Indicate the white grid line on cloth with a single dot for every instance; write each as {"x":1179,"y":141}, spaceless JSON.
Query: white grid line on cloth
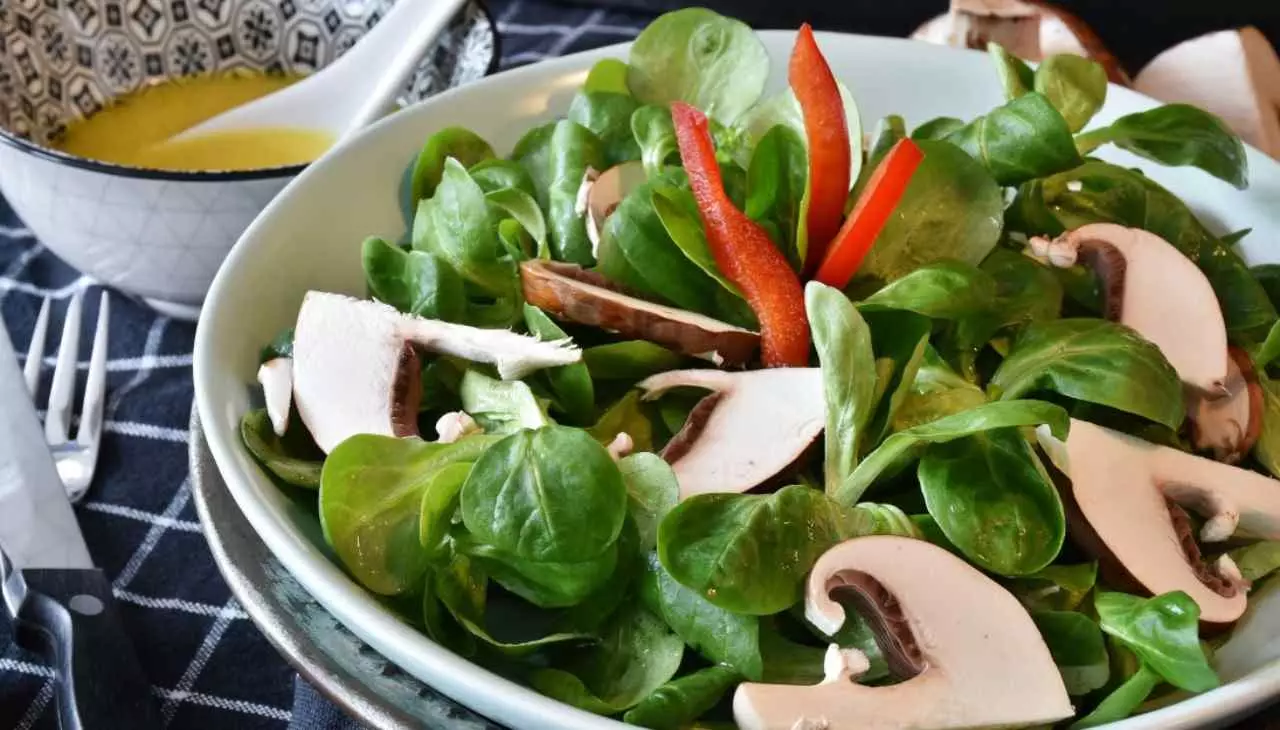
{"x":174,"y":508}
{"x":37,"y":707}
{"x":18,"y":266}
{"x":132,"y":513}
{"x":588,"y":26}
{"x":175,"y":604}
{"x":63,"y":292}
{"x":510,"y":12}
{"x":149,"y":351}
{"x":124,"y":364}
{"x":136,"y":429}
{"x":16,"y":232}
{"x":602,"y":29}
{"x":198,"y":662}
{"x":222,"y":703}
{"x":35,"y":670}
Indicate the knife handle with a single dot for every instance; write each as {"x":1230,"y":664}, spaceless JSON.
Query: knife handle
{"x":71,"y":617}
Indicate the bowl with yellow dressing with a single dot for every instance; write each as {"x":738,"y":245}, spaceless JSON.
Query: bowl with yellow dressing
{"x":90,"y":92}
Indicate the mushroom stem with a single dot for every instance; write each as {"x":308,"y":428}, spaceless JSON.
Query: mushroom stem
{"x":276,"y":377}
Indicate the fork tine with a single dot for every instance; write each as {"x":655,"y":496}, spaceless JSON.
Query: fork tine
{"x":96,"y":386}
{"x":35,"y":353}
{"x":57,"y":420}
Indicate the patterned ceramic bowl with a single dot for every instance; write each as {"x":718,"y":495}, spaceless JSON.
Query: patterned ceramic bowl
{"x":157,"y":234}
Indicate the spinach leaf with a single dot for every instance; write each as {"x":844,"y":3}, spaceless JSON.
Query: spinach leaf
{"x":550,"y":495}
{"x":461,"y":587}
{"x":897,"y":450}
{"x":1163,"y":632}
{"x":590,"y":613}
{"x":1056,"y":587}
{"x":496,"y":174}
{"x":1077,"y":647}
{"x":652,"y":492}
{"x":631,"y":360}
{"x":1100,"y":192}
{"x":280,"y":346}
{"x":937,"y":128}
{"x":701,"y":57}
{"x":784,"y":109}
{"x":1177,"y":134}
{"x":1267,"y":450}
{"x":683,"y":700}
{"x":533,"y":153}
{"x":1123,"y":701}
{"x":412,"y":281}
{"x":523,"y":209}
{"x":457,"y":226}
{"x":1257,"y":561}
{"x":940,"y":290}
{"x":370,"y":504}
{"x":572,"y":149}
{"x":951,"y":209}
{"x":777,"y":176}
{"x":548,"y":584}
{"x":749,"y":553}
{"x":271,"y":452}
{"x":500,"y":406}
{"x":843,"y":342}
{"x":636,"y":655}
{"x":625,"y":416}
{"x":1096,"y":361}
{"x":994,"y":501}
{"x":1026,"y":290}
{"x":1016,"y":77}
{"x":899,"y":340}
{"x":888,"y":132}
{"x":936,"y":391}
{"x":459,"y":143}
{"x":571,"y":384}
{"x":869,"y":518}
{"x":608,"y":115}
{"x":719,"y":635}
{"x":439,"y":505}
{"x":608,"y":75}
{"x":1268,"y":277}
{"x":655,"y":133}
{"x":678,"y":212}
{"x":1024,"y":139}
{"x":1075,"y":85}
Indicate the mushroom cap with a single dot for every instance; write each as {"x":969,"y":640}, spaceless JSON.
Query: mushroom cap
{"x":753,"y":426}
{"x":983,"y":666}
{"x":607,"y":191}
{"x":1229,"y":425}
{"x":1153,"y":288}
{"x":1233,"y":73}
{"x":573,"y":293}
{"x":1122,"y":487}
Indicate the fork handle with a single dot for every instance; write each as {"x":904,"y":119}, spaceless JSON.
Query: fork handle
{"x":71,"y":618}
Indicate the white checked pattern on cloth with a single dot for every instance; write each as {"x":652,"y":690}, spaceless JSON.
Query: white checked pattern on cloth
{"x":208,"y":665}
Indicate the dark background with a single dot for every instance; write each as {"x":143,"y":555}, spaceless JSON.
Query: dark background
{"x":1134,"y":30}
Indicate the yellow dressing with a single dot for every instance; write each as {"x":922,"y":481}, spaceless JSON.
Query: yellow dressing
{"x":132,"y":130}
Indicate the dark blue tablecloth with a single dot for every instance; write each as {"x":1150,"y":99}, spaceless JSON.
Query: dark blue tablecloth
{"x":209,"y":667}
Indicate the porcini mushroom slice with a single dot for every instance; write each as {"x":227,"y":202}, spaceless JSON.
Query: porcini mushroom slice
{"x":606,"y":192}
{"x":753,"y":425}
{"x":355,"y":369}
{"x":1120,"y":490}
{"x":573,"y":293}
{"x":985,"y":666}
{"x":1152,"y":287}
{"x":1229,"y":425}
{"x":1233,"y":73}
{"x":276,"y":378}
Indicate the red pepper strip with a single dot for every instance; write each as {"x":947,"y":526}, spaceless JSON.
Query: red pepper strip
{"x":743,"y":250}
{"x":878,"y":200}
{"x":827,"y":130}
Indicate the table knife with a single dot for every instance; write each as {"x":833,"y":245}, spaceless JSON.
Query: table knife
{"x":60,"y":606}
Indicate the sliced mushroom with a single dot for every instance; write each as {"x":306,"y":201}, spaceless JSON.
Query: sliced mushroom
{"x":752,"y":427}
{"x":986,"y":666}
{"x":276,"y":378}
{"x":355,"y":369}
{"x":605,"y":192}
{"x":1028,"y":29}
{"x":573,"y":293}
{"x":1232,"y":73}
{"x":1118,"y":504}
{"x":1230,"y":425}
{"x":454,"y":426}
{"x":1152,"y":287}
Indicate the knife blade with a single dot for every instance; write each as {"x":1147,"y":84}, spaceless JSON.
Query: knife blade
{"x":61,"y":607}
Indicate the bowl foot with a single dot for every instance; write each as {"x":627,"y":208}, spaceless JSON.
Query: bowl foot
{"x":177,"y":310}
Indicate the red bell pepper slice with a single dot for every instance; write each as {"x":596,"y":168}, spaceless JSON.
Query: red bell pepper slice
{"x":827,"y":131}
{"x":742,"y":249}
{"x":878,"y":200}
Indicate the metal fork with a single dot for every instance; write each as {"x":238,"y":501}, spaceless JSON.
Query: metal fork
{"x":75,"y":459}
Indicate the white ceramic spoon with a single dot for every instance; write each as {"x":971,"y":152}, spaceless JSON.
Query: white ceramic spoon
{"x":354,"y":90}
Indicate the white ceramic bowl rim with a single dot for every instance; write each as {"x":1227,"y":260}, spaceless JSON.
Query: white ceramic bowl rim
{"x":454,"y":675}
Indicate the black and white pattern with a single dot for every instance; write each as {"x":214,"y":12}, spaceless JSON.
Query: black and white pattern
{"x":208,"y":665}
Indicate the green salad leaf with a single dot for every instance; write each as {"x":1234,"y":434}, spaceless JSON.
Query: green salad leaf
{"x":1016,"y":77}
{"x":571,"y":384}
{"x":652,"y":492}
{"x":500,"y":406}
{"x":440,"y":504}
{"x":655,"y":133}
{"x":843,"y":342}
{"x":631,"y":360}
{"x":457,"y":226}
{"x":608,"y":75}
{"x":273,"y":453}
{"x":415,"y":282}
{"x":497,"y":174}
{"x":1023,"y":139}
{"x":777,"y":176}
{"x":625,"y":416}
{"x":459,"y":143}
{"x":548,"y":584}
{"x":1123,"y":701}
{"x":1177,"y":134}
{"x":682,"y":700}
{"x":1076,"y":86}
{"x":520,"y":207}
{"x":1056,"y":587}
{"x":571,"y":149}
{"x":1163,"y":632}
{"x":1077,"y":647}
{"x":608,"y":115}
{"x":940,"y":290}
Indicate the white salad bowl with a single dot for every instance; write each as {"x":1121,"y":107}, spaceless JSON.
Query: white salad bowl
{"x":309,"y":238}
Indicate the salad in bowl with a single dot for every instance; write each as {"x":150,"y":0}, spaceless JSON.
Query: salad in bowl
{"x":700,"y":409}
